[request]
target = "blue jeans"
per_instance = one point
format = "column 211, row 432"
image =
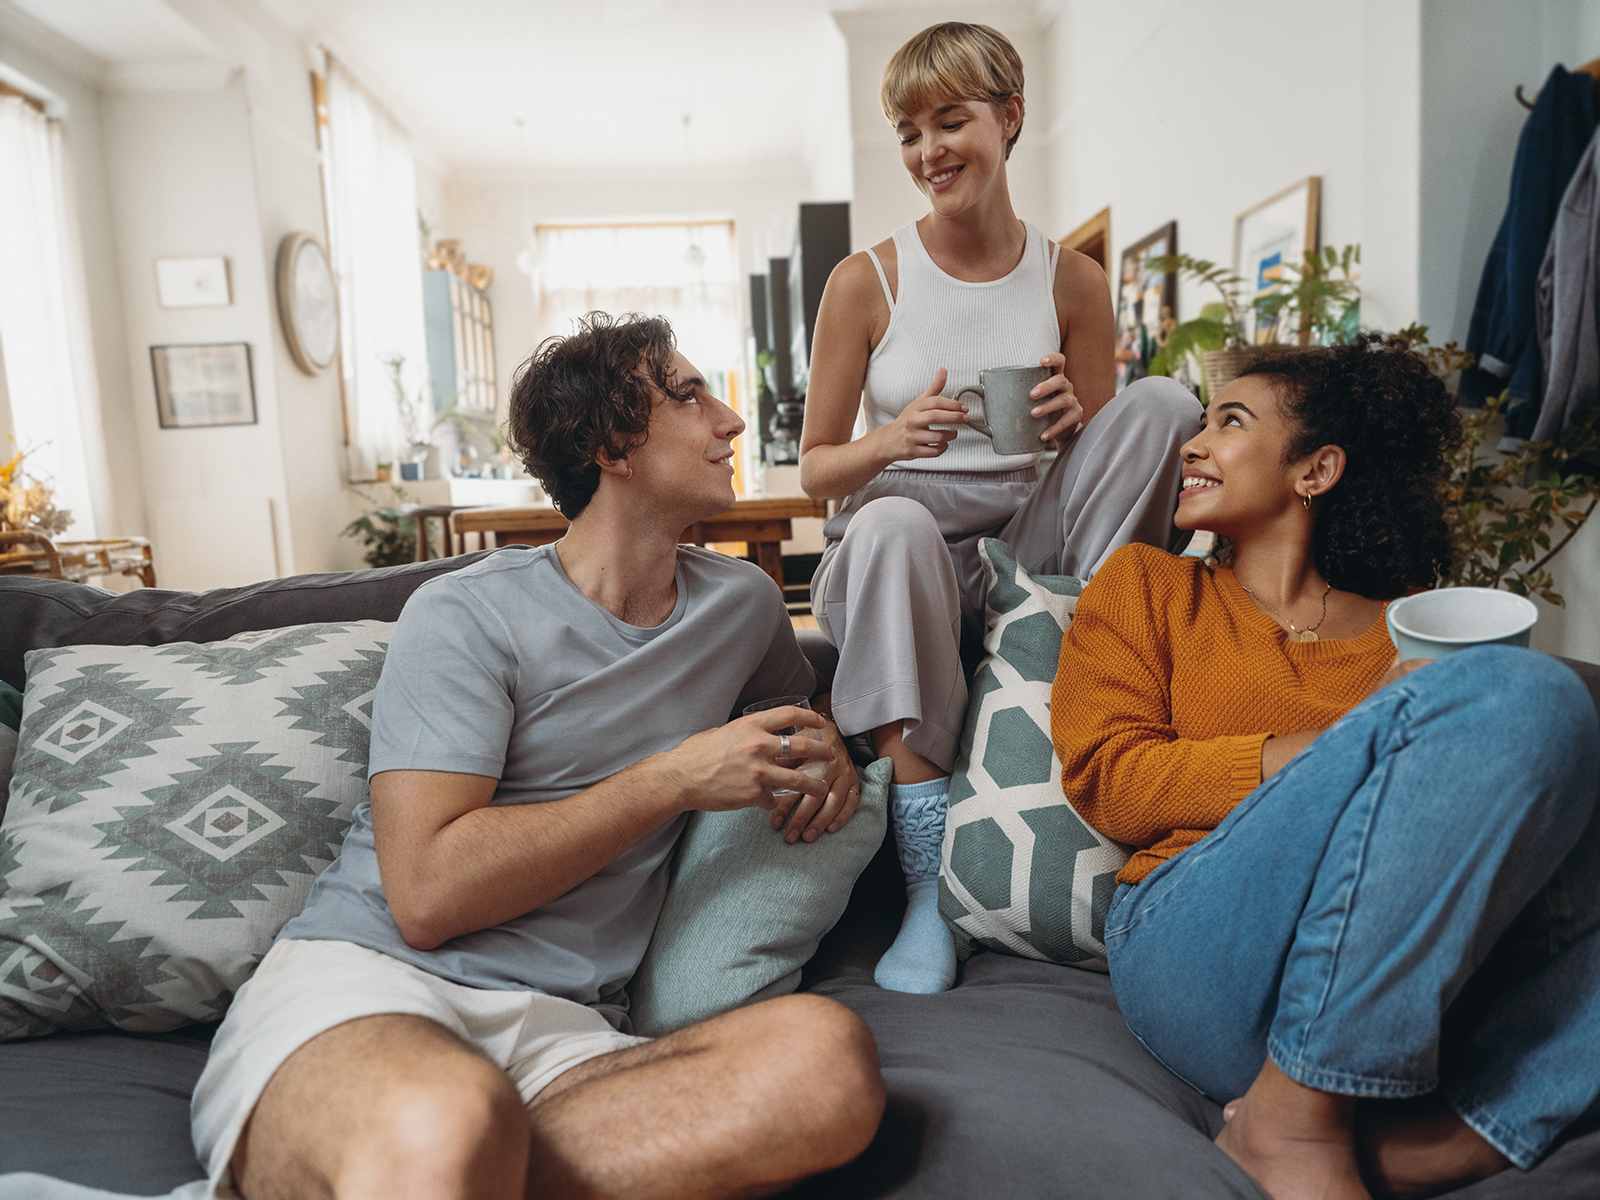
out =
column 1412, row 903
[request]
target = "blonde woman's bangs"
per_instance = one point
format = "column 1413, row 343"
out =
column 951, row 63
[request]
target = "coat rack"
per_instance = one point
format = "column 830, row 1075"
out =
column 1591, row 69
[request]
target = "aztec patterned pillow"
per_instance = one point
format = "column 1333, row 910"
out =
column 1022, row 873
column 170, row 808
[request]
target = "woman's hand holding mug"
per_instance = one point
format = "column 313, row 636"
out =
column 1058, row 401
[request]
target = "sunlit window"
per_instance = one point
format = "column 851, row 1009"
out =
column 687, row 272
column 372, row 218
column 50, row 381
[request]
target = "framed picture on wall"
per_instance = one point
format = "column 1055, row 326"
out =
column 1145, row 300
column 193, row 282
column 1275, row 234
column 204, row 385
column 1093, row 239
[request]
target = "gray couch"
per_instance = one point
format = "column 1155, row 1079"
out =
column 1022, row 1081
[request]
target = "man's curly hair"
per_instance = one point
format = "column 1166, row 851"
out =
column 1381, row 529
column 589, row 392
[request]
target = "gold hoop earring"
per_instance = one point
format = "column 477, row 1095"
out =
column 1305, row 499
column 630, row 469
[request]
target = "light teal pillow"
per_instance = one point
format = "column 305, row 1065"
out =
column 1021, row 871
column 746, row 910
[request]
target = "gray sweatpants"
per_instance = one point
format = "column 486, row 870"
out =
column 900, row 574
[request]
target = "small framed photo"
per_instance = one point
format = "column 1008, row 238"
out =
column 1275, row 234
column 204, row 385
column 1145, row 300
column 193, row 282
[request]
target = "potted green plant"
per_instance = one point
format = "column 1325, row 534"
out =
column 1320, row 301
column 1506, row 509
column 1322, row 296
column 388, row 533
column 1215, row 340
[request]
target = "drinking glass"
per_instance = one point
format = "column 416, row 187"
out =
column 817, row 768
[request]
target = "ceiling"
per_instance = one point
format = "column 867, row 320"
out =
column 598, row 83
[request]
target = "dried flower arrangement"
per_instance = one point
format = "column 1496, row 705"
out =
column 28, row 503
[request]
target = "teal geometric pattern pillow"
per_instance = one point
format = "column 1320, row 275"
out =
column 170, row 807
column 1021, row 872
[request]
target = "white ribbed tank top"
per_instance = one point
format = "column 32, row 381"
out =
column 938, row 321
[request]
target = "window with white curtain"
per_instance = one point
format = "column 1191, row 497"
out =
column 686, row 272
column 372, row 217
column 50, row 381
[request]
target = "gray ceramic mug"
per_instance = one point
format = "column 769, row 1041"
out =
column 1008, row 407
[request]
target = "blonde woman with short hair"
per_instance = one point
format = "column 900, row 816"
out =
column 902, row 328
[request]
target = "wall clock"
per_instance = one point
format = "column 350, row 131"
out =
column 308, row 304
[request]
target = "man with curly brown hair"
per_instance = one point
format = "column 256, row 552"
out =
column 447, row 1016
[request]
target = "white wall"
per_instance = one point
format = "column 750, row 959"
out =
column 183, row 181
column 286, row 174
column 1392, row 209
column 829, row 153
column 885, row 197
column 1197, row 110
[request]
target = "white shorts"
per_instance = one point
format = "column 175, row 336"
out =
column 303, row 988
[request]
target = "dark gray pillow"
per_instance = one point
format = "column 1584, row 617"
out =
column 40, row 613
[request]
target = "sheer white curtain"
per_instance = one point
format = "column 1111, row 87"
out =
column 687, row 273
column 44, row 322
column 372, row 216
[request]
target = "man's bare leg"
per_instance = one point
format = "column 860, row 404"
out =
column 741, row 1105
column 398, row 1106
column 385, row 1107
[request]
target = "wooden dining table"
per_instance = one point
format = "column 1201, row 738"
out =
column 763, row 524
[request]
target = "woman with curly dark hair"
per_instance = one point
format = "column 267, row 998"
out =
column 1365, row 894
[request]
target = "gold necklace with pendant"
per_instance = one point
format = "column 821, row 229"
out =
column 1308, row 634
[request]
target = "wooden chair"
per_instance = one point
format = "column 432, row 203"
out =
column 28, row 552
column 422, row 514
column 762, row 524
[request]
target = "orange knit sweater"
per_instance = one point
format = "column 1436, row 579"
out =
column 1170, row 681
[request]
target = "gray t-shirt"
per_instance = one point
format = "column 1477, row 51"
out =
column 506, row 669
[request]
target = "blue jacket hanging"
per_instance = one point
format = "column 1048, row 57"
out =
column 1502, row 333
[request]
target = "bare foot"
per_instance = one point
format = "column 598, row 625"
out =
column 1409, row 1149
column 1295, row 1141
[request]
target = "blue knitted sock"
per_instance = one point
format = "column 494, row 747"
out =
column 923, row 957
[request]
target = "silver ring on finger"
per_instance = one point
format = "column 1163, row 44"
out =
column 783, row 746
